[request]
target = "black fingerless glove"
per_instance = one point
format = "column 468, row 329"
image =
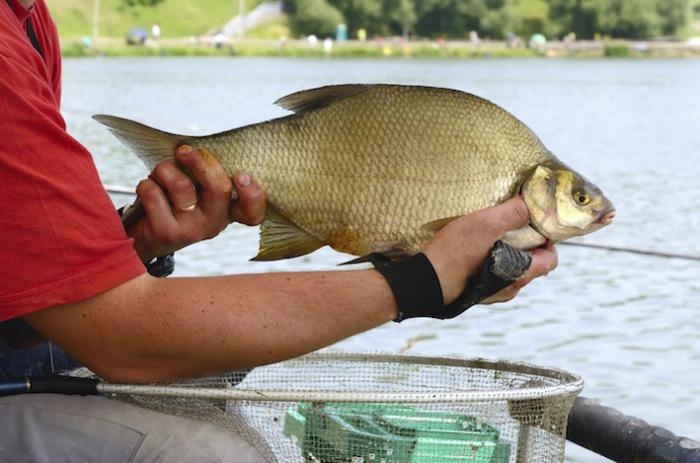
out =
column 417, row 290
column 415, row 285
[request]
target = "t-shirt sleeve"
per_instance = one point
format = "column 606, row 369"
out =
column 62, row 241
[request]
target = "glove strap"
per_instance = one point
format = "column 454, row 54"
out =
column 415, row 285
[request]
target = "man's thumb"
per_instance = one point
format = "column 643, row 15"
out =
column 511, row 214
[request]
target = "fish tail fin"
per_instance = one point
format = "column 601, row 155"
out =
column 150, row 145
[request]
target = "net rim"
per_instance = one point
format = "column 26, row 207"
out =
column 571, row 384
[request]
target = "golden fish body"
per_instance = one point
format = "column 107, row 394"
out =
column 369, row 168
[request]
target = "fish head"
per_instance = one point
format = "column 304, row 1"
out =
column 564, row 204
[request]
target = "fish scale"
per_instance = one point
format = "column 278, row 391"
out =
column 364, row 168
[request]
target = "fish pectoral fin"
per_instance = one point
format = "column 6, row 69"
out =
column 282, row 239
column 393, row 254
column 524, row 238
column 439, row 224
column 308, row 100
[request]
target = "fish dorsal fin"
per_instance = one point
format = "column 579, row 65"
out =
column 437, row 225
column 281, row 239
column 308, row 100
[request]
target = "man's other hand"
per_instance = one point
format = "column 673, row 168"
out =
column 176, row 215
column 458, row 251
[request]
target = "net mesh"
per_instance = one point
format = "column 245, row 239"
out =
column 366, row 408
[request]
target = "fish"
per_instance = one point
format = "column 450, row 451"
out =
column 380, row 168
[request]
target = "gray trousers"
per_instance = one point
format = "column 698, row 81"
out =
column 40, row 428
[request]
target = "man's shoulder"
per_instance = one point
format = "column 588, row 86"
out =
column 12, row 34
column 13, row 53
column 17, row 52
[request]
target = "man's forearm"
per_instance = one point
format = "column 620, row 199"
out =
column 158, row 329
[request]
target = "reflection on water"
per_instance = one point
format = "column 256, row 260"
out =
column 626, row 323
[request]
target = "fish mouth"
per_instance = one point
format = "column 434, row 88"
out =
column 606, row 218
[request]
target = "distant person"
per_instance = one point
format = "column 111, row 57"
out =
column 219, row 41
column 312, row 40
column 474, row 38
column 362, row 35
column 72, row 275
column 510, row 40
column 328, row 45
column 569, row 39
column 155, row 32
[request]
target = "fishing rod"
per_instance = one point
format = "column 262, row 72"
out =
column 131, row 213
column 120, row 190
column 135, row 214
column 643, row 252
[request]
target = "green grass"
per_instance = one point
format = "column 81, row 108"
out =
column 74, row 49
column 177, row 18
column 271, row 30
column 616, row 51
column 299, row 49
column 422, row 49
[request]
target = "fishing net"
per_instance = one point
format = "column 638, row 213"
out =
column 367, row 408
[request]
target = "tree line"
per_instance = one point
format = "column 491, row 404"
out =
column 495, row 19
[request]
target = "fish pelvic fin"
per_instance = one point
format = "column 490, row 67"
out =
column 315, row 98
column 282, row 239
column 152, row 146
column 392, row 254
column 439, row 224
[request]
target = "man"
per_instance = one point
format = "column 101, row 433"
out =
column 70, row 271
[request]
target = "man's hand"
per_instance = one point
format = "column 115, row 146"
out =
column 177, row 216
column 458, row 251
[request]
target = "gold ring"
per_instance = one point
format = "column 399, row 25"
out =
column 188, row 208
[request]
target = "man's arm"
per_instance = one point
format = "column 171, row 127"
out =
column 159, row 329
column 151, row 329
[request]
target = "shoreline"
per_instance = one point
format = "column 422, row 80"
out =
column 205, row 46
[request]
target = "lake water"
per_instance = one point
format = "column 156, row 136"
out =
column 628, row 324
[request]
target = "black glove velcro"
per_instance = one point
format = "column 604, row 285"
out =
column 417, row 290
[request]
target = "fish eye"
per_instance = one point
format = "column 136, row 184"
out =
column 581, row 197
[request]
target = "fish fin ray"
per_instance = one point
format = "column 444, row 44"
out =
column 282, row 239
column 152, row 146
column 439, row 224
column 392, row 254
column 315, row 98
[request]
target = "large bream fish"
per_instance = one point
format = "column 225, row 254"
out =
column 380, row 168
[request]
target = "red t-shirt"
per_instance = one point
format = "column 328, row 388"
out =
column 60, row 238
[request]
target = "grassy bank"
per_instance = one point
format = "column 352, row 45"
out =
column 177, row 18
column 389, row 49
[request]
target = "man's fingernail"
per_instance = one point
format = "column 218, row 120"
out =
column 184, row 150
column 244, row 180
